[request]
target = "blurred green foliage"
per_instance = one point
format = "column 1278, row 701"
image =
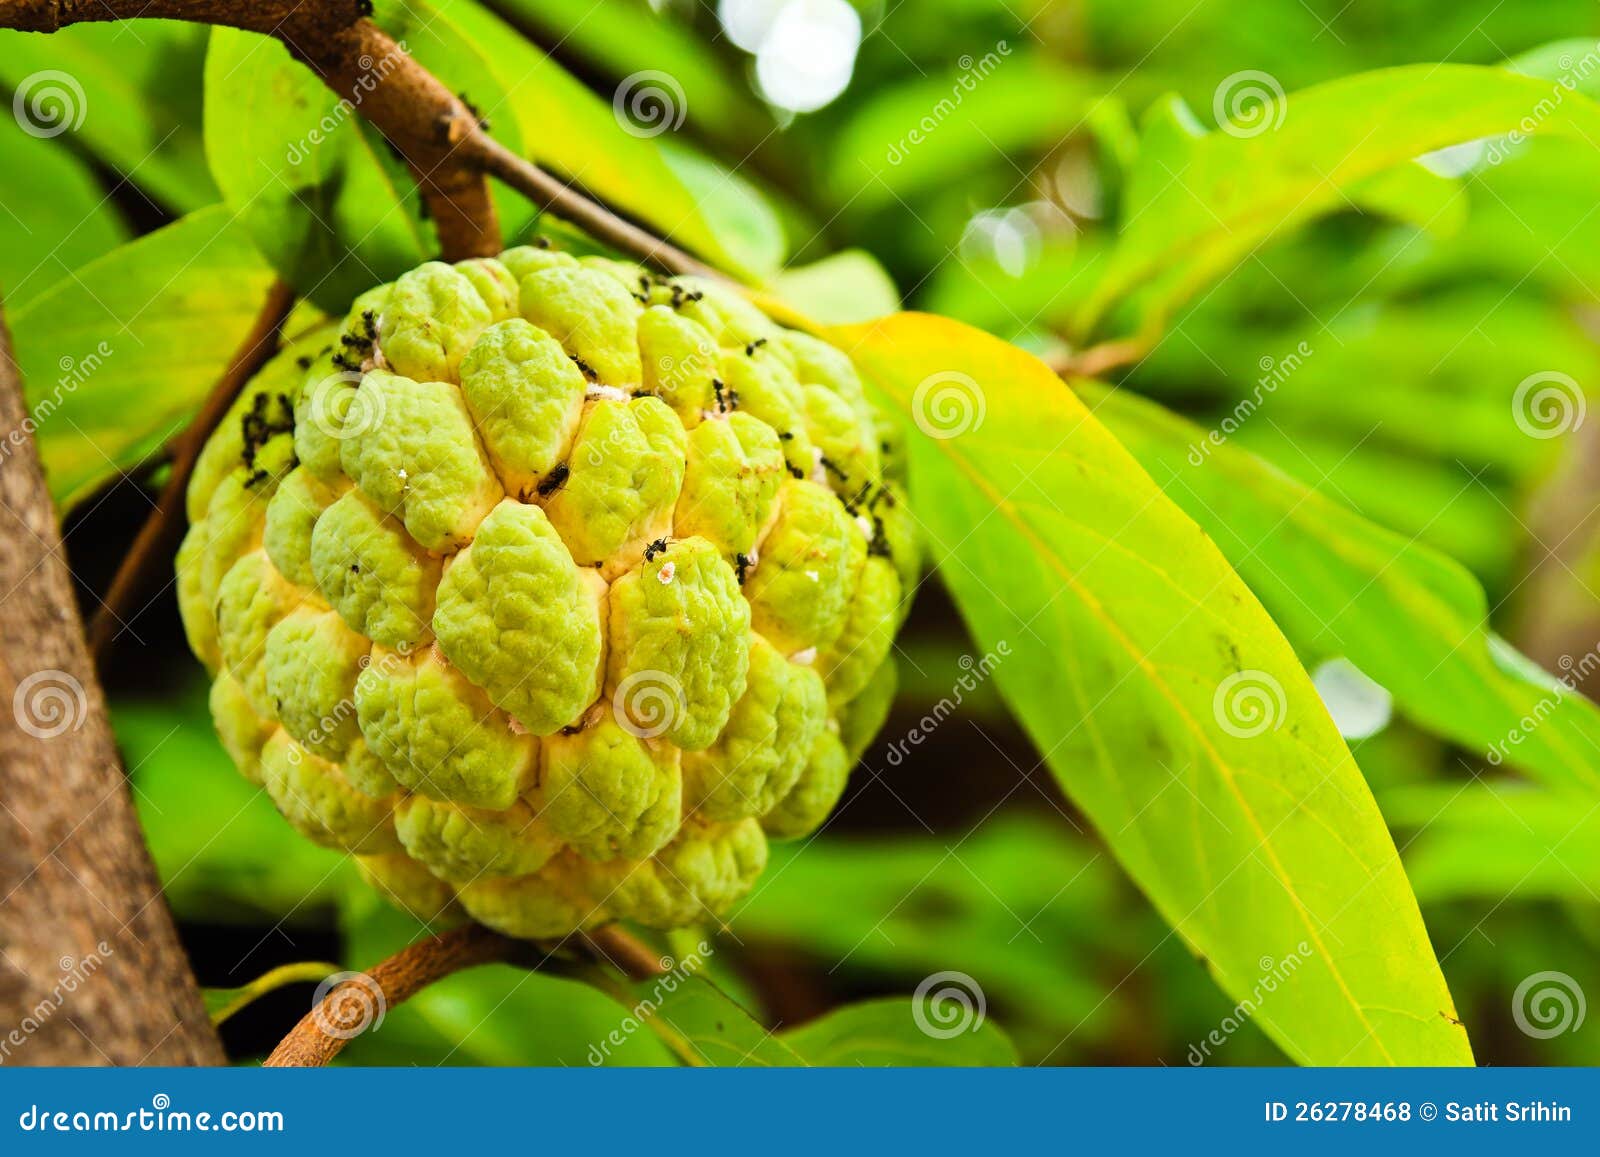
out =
column 1382, row 499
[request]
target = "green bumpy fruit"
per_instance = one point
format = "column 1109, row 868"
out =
column 550, row 589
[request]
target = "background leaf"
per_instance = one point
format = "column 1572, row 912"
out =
column 1126, row 626
column 139, row 108
column 117, row 356
column 54, row 215
column 880, row 1033
column 1197, row 204
column 1341, row 587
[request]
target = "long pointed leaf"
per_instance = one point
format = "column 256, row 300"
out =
column 1164, row 700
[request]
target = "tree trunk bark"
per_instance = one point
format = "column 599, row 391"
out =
column 91, row 971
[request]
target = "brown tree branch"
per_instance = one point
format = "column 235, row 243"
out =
column 158, row 538
column 358, row 61
column 359, row 1002
column 91, row 971
column 433, row 129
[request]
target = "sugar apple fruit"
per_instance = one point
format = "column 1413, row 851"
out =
column 549, row 589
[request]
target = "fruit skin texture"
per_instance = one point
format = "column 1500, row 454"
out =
column 549, row 589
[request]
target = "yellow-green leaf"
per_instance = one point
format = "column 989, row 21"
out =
column 1164, row 699
column 116, row 357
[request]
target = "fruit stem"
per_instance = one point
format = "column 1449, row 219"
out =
column 361, row 1000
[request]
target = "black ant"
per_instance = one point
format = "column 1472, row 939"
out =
column 741, row 566
column 552, row 481
column 655, row 548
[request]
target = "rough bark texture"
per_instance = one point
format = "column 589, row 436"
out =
column 91, row 971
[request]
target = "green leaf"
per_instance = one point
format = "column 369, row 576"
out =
column 54, row 216
column 315, row 186
column 221, row 1003
column 1494, row 841
column 1019, row 904
column 621, row 39
column 1342, row 587
column 1166, row 702
column 850, row 286
column 130, row 89
column 702, row 1025
column 910, row 138
column 1199, row 204
column 116, row 357
column 884, row 1033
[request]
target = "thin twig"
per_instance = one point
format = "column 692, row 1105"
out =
column 357, row 1003
column 158, row 538
column 1097, row 359
column 617, row 946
